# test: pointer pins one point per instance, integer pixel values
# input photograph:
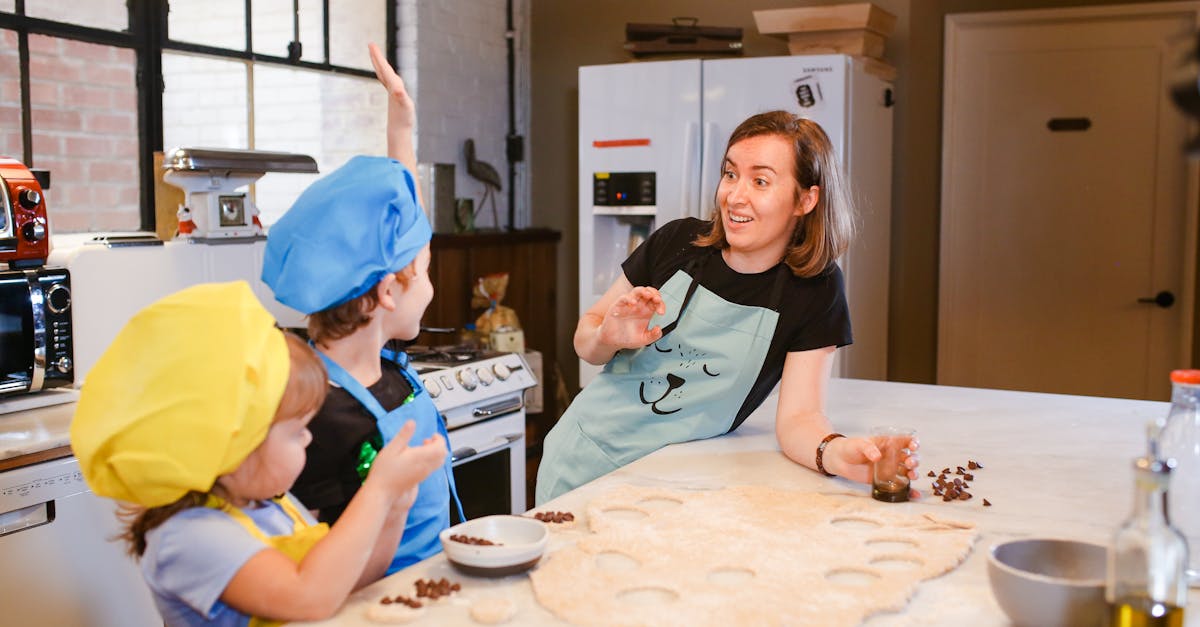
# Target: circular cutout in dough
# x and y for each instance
(659, 503)
(892, 544)
(624, 514)
(852, 577)
(493, 610)
(897, 562)
(647, 595)
(731, 576)
(855, 523)
(394, 613)
(615, 561)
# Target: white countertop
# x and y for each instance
(1054, 465)
(36, 422)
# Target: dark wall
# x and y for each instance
(569, 33)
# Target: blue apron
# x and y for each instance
(430, 513)
(689, 385)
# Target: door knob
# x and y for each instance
(1163, 299)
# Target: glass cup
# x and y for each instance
(889, 477)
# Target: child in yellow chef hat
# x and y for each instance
(195, 418)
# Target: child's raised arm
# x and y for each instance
(271, 585)
(402, 112)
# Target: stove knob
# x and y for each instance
(485, 376)
(502, 371)
(467, 379)
(432, 387)
(29, 198)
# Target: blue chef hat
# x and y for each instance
(344, 234)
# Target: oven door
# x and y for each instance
(489, 464)
(17, 327)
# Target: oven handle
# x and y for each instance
(467, 453)
(499, 409)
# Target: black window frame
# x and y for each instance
(147, 36)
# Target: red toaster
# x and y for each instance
(24, 232)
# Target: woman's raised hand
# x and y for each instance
(626, 321)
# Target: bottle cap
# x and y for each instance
(1185, 376)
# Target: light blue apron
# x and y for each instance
(430, 513)
(689, 385)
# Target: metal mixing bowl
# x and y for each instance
(1049, 582)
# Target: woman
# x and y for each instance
(721, 312)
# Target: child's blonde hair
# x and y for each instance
(304, 393)
(341, 320)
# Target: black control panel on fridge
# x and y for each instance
(623, 189)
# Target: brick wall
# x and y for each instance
(84, 118)
(453, 57)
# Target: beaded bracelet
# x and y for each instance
(821, 453)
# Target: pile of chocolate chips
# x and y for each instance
(956, 489)
(435, 589)
(554, 517)
(473, 540)
(413, 603)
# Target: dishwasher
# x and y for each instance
(59, 563)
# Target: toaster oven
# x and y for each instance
(35, 330)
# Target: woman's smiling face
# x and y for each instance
(759, 197)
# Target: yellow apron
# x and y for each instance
(295, 546)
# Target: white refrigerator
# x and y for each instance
(651, 138)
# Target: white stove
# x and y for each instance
(481, 397)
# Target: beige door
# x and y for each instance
(1066, 198)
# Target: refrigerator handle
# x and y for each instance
(709, 165)
(687, 191)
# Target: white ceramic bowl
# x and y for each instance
(1049, 582)
(520, 543)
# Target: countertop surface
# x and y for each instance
(31, 424)
(1054, 466)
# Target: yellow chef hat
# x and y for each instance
(184, 394)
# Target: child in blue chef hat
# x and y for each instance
(353, 254)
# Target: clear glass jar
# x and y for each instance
(1180, 440)
(1146, 584)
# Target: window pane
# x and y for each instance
(85, 131)
(8, 6)
(220, 23)
(273, 28)
(326, 116)
(106, 14)
(204, 102)
(351, 27)
(10, 97)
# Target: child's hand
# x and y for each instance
(400, 104)
(399, 467)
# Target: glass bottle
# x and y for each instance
(1180, 440)
(1146, 583)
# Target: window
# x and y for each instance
(275, 75)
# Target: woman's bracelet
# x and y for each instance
(821, 453)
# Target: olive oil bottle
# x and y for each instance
(1147, 584)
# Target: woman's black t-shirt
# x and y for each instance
(812, 312)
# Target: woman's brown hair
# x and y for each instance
(821, 235)
(341, 320)
(304, 393)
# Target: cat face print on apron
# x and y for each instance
(688, 385)
(430, 513)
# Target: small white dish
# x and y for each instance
(520, 542)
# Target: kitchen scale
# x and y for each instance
(214, 211)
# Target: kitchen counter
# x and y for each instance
(1054, 465)
(32, 430)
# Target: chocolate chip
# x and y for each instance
(947, 498)
(962, 496)
(986, 503)
(973, 465)
(473, 540)
(931, 474)
(385, 601)
(969, 477)
(958, 482)
(945, 471)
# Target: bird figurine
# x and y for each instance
(483, 172)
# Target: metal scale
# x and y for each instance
(214, 210)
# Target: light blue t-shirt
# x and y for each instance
(191, 557)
